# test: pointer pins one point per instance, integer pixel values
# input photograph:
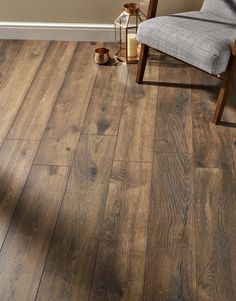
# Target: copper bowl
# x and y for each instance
(102, 56)
(132, 8)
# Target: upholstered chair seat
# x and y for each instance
(199, 38)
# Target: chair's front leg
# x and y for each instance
(142, 63)
(226, 87)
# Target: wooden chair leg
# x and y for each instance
(142, 63)
(226, 87)
(222, 98)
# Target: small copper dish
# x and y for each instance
(102, 56)
(132, 8)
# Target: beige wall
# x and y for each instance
(81, 11)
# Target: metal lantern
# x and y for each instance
(126, 26)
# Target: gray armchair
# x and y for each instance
(205, 39)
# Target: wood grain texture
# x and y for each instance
(69, 269)
(211, 143)
(65, 124)
(105, 107)
(17, 81)
(170, 259)
(137, 128)
(174, 123)
(16, 158)
(8, 52)
(121, 257)
(36, 109)
(25, 248)
(215, 197)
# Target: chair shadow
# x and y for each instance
(207, 88)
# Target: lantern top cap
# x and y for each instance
(132, 8)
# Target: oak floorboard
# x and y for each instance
(137, 127)
(63, 130)
(212, 146)
(106, 104)
(215, 197)
(69, 269)
(26, 246)
(120, 262)
(170, 258)
(36, 108)
(8, 53)
(17, 81)
(16, 158)
(174, 122)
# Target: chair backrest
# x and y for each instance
(222, 8)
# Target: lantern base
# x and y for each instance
(121, 56)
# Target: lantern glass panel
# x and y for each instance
(127, 23)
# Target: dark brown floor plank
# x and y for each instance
(215, 196)
(69, 269)
(8, 52)
(121, 257)
(36, 109)
(211, 143)
(25, 248)
(137, 127)
(17, 81)
(105, 107)
(65, 124)
(174, 123)
(170, 259)
(16, 158)
(229, 120)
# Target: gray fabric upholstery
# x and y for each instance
(203, 40)
(223, 8)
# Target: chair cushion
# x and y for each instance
(223, 8)
(201, 39)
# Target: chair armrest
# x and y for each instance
(152, 9)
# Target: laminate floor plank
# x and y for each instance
(137, 127)
(36, 109)
(174, 120)
(106, 104)
(65, 124)
(69, 269)
(16, 158)
(170, 259)
(212, 145)
(8, 53)
(17, 81)
(215, 197)
(229, 119)
(26, 246)
(121, 256)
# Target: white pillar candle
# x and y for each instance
(132, 44)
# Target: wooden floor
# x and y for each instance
(111, 190)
